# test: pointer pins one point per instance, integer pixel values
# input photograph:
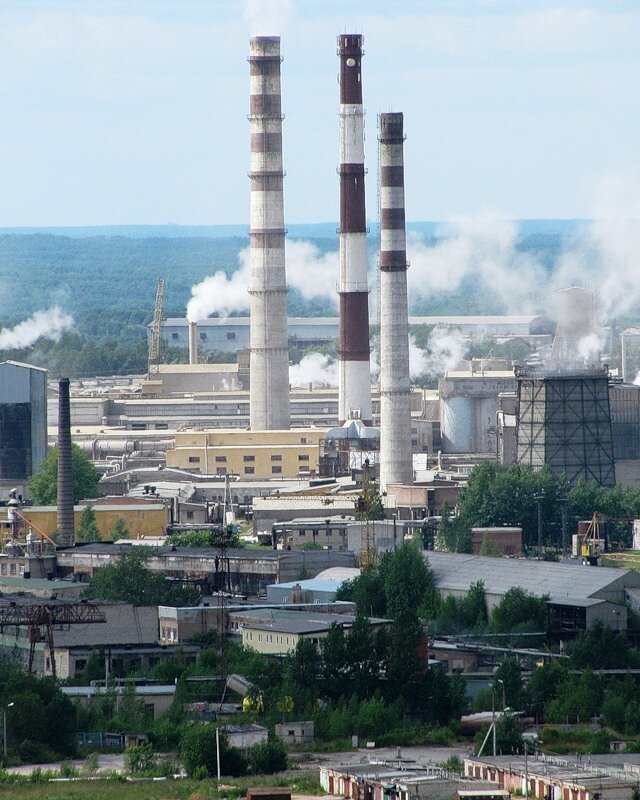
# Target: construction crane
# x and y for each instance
(40, 619)
(595, 540)
(154, 342)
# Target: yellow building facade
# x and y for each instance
(149, 519)
(250, 454)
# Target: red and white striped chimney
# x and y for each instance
(269, 360)
(354, 394)
(396, 463)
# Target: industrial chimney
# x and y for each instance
(193, 342)
(354, 394)
(395, 385)
(65, 521)
(269, 359)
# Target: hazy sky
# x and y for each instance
(134, 111)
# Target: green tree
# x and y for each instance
(333, 655)
(119, 530)
(508, 736)
(129, 580)
(369, 503)
(198, 753)
(519, 611)
(139, 759)
(367, 592)
(88, 527)
(543, 685)
(473, 607)
(409, 583)
(602, 647)
(507, 684)
(44, 484)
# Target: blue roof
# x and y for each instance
(311, 585)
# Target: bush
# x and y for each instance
(268, 757)
(139, 759)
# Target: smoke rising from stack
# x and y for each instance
(309, 270)
(49, 324)
(269, 389)
(396, 465)
(354, 392)
(65, 520)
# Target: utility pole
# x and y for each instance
(539, 498)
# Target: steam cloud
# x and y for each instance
(49, 324)
(314, 368)
(266, 17)
(445, 349)
(309, 270)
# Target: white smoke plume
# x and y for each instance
(445, 350)
(485, 248)
(314, 368)
(309, 270)
(49, 324)
(267, 17)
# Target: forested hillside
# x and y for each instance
(107, 283)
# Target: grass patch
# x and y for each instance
(303, 782)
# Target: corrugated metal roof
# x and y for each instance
(457, 571)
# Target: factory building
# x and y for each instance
(23, 421)
(250, 571)
(630, 354)
(231, 334)
(563, 422)
(255, 454)
(578, 595)
(469, 406)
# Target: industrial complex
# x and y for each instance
(407, 547)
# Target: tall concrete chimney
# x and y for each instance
(269, 360)
(193, 342)
(65, 521)
(354, 393)
(396, 464)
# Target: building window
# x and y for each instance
(12, 569)
(276, 458)
(175, 337)
(303, 440)
(231, 335)
(276, 470)
(221, 459)
(303, 458)
(162, 426)
(249, 470)
(221, 470)
(194, 459)
(189, 514)
(249, 458)
(203, 337)
(138, 426)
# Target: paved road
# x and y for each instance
(421, 756)
(108, 762)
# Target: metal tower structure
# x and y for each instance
(154, 342)
(40, 618)
(563, 422)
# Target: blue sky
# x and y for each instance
(135, 112)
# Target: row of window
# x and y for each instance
(203, 336)
(247, 459)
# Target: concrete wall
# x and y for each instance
(143, 520)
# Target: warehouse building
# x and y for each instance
(578, 595)
(23, 421)
(230, 334)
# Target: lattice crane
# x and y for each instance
(41, 617)
(154, 342)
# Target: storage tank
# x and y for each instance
(458, 424)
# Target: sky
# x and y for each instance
(133, 112)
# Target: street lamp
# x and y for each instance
(504, 702)
(4, 728)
